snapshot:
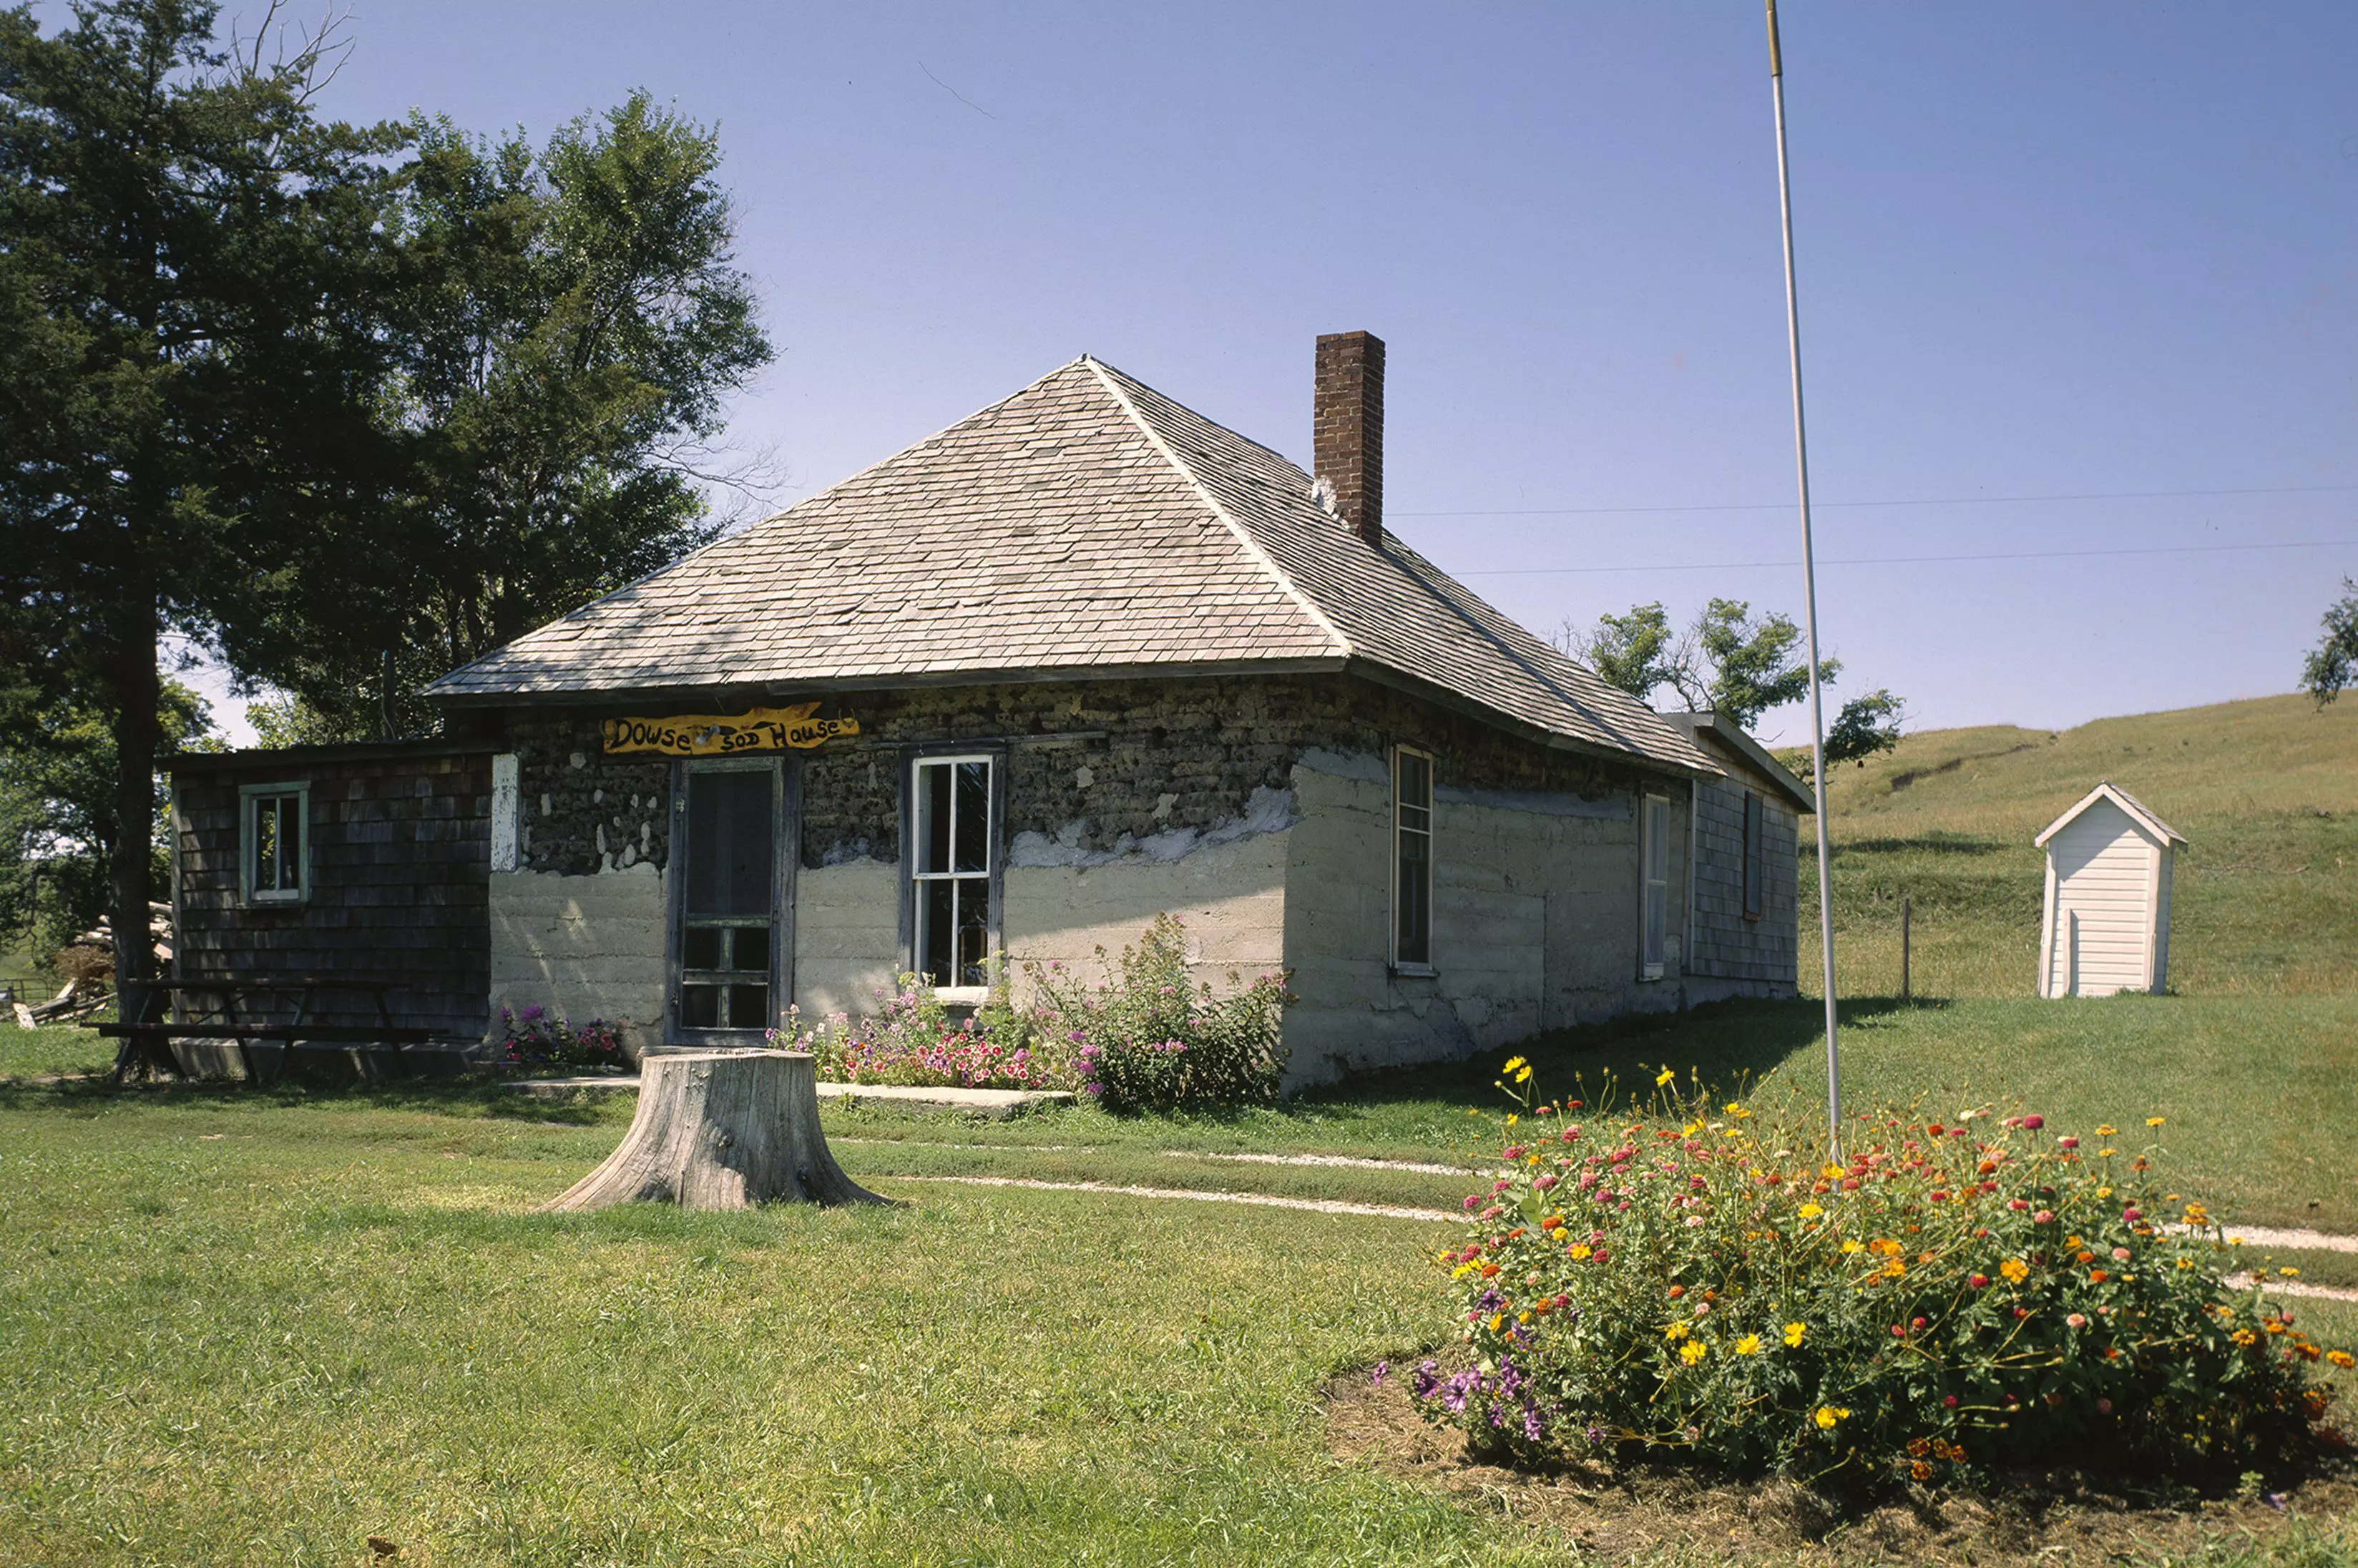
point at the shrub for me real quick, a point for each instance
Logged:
(535, 1037)
(1954, 1297)
(911, 1040)
(1153, 1040)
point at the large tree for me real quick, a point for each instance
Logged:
(1735, 664)
(568, 327)
(190, 261)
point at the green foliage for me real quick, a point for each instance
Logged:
(1866, 725)
(911, 1040)
(2328, 667)
(1730, 661)
(58, 827)
(567, 327)
(1633, 652)
(1154, 1040)
(188, 343)
(1956, 1298)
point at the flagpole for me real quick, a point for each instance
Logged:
(1808, 598)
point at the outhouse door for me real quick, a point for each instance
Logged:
(736, 828)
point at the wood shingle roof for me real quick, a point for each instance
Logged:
(1085, 527)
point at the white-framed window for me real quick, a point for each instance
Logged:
(1654, 900)
(953, 854)
(1412, 859)
(274, 842)
(1756, 858)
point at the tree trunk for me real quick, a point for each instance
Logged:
(137, 689)
(721, 1129)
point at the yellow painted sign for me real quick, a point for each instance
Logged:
(709, 735)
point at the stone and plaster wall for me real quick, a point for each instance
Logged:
(1124, 799)
(585, 947)
(1535, 916)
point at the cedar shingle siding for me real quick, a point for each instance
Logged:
(398, 843)
(1726, 945)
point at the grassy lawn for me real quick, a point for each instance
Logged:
(60, 1048)
(2265, 894)
(243, 1327)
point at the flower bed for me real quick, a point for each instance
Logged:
(1957, 1295)
(533, 1038)
(910, 1040)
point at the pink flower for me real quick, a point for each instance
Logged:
(2034, 1122)
(2067, 1141)
(2044, 1217)
(2077, 1320)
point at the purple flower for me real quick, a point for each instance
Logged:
(1381, 1367)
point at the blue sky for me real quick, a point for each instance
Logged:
(2046, 251)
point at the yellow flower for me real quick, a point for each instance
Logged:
(2105, 1192)
(1460, 1271)
(1828, 1415)
(2014, 1269)
(2289, 1273)
(2156, 1120)
(1522, 1317)
(1498, 1322)
(1793, 1332)
(1524, 1076)
(1811, 1211)
(1512, 1120)
(2342, 1359)
(1512, 1063)
(1854, 1246)
(1832, 1172)
(2106, 1132)
(1748, 1346)
(1667, 1075)
(1580, 1253)
(1691, 1352)
(1675, 1330)
(1894, 1269)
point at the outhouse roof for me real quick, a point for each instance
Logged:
(2126, 802)
(1084, 526)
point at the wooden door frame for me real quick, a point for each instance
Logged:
(785, 772)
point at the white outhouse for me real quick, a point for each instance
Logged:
(2107, 922)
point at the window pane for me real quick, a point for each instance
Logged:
(290, 843)
(933, 817)
(748, 1007)
(1415, 780)
(937, 920)
(973, 818)
(265, 843)
(1656, 917)
(731, 828)
(750, 948)
(699, 947)
(1413, 938)
(973, 930)
(699, 1005)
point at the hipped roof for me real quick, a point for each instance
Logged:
(1087, 526)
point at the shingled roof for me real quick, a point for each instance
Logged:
(1085, 527)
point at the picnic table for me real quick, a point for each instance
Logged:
(147, 1037)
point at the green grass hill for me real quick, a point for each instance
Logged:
(2266, 896)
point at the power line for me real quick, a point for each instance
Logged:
(1913, 560)
(1930, 500)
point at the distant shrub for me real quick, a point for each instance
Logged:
(535, 1037)
(1954, 1298)
(1154, 1040)
(912, 1041)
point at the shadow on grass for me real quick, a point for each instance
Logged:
(1935, 843)
(460, 1098)
(1731, 1044)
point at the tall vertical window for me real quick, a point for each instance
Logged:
(1411, 859)
(272, 860)
(1654, 911)
(955, 841)
(728, 898)
(1756, 858)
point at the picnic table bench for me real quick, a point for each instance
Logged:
(147, 1038)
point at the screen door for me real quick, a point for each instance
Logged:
(728, 902)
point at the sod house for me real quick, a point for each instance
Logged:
(1081, 658)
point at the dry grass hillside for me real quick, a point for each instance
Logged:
(2266, 893)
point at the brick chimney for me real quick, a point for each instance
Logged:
(1347, 441)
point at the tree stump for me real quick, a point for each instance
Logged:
(721, 1129)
